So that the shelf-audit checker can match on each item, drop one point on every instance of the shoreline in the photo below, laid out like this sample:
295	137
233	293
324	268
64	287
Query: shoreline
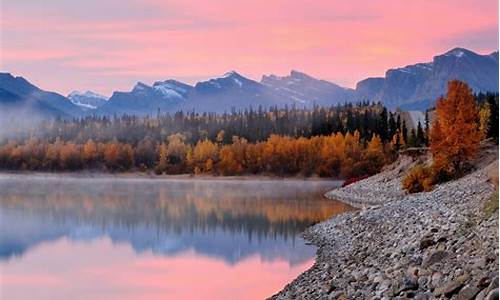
152	176
424	246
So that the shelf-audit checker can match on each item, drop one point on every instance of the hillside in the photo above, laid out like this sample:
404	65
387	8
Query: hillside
20	98
441	243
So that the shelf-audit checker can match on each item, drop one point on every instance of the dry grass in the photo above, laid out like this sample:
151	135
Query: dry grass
491	206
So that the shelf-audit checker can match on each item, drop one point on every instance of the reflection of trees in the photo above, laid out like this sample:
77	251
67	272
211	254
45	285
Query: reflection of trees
262	208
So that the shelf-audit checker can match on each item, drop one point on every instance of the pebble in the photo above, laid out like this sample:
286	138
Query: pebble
420	246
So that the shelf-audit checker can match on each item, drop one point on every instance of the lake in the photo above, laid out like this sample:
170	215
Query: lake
105	237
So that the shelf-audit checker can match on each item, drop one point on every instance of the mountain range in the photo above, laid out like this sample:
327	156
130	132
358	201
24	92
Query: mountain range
413	87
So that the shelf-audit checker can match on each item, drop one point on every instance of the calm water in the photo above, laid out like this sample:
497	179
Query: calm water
108	238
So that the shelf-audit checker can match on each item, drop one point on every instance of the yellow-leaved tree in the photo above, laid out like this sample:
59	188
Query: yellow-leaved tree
455	134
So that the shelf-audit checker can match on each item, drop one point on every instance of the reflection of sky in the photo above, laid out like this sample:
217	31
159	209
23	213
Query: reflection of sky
129	238
98	269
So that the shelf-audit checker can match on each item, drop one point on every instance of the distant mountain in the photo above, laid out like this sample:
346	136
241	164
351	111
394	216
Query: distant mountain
306	90
418	86
231	91
414	87
87	100
147	100
20	97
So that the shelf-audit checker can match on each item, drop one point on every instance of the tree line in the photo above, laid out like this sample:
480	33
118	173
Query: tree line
335	155
349	141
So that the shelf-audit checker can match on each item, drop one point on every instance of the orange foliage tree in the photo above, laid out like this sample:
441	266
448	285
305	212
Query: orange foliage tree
455	134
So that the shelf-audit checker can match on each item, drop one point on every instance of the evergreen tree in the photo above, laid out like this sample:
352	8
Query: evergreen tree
493	123
404	132
383	125
420	135
392	125
413	139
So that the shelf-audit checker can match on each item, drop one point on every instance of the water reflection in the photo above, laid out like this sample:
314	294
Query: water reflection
204	220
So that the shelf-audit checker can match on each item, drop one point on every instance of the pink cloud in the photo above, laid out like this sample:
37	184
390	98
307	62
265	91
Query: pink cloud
336	40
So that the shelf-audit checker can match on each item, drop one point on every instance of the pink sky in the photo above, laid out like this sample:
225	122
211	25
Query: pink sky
107	45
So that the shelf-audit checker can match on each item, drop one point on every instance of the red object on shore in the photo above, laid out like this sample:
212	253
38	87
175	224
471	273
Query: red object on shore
353	180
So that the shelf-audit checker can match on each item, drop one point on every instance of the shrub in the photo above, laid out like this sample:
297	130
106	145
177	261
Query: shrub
418	179
353	180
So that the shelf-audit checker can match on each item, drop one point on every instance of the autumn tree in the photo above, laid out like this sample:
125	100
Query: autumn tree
455	135
484	119
118	156
373	156
70	157
90	152
145	153
51	160
203	156
232	157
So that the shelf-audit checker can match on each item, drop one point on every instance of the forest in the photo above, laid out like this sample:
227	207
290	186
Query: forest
344	141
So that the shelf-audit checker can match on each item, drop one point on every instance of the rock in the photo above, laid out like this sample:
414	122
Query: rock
412	271
407	283
435	257
426	243
493	295
494	284
336	295
448	289
422	281
484	282
436	279
481	295
462	278
423	296
468	292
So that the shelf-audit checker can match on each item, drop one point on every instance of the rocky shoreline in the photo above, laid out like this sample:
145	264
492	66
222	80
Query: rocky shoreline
439	244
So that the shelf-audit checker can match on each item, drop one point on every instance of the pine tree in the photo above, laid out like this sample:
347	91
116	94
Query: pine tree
493	123
404	132
383	125
420	135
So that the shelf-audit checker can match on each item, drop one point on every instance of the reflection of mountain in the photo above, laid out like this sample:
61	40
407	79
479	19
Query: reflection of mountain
230	220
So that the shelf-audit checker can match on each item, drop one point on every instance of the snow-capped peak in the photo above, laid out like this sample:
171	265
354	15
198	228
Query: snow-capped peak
87	100
231	74
457	52
235	77
87	94
168	90
140	87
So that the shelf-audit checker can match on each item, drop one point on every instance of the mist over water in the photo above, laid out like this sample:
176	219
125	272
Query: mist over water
229	226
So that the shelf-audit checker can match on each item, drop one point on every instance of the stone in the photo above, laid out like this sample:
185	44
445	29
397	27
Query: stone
493	284
423	296
481	295
436	279
492	295
422	281
435	257
426	243
484	282
448	289
408	283
468	292
335	295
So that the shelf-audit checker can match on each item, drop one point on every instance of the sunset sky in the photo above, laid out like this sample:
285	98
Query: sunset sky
107	45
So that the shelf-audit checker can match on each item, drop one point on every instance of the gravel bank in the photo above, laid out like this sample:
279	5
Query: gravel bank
439	244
